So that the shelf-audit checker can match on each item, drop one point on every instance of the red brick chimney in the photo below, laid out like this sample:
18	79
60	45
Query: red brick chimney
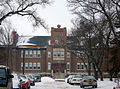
14	34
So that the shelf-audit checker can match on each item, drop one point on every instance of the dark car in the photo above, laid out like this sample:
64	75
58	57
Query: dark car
37	77
5	78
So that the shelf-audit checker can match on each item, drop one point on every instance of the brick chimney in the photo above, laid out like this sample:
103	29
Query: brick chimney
14	34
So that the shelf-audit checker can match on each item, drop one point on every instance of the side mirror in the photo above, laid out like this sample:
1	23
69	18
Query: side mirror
10	76
20	80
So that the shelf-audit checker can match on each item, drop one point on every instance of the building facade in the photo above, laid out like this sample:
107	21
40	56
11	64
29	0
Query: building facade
52	58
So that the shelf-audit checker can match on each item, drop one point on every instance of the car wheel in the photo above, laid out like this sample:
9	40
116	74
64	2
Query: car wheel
81	86
29	87
95	86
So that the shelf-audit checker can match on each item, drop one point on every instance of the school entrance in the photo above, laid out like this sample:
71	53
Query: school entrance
59	70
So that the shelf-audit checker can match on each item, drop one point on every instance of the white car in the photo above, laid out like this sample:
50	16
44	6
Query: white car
76	79
69	77
16	82
88	81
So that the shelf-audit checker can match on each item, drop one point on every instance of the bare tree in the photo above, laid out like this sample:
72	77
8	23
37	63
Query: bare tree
107	10
6	41
90	40
22	8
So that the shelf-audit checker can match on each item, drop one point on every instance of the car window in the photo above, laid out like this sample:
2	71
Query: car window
77	76
23	76
2	73
88	77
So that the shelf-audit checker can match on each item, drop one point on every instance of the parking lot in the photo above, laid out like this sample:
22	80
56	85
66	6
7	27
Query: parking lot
51	84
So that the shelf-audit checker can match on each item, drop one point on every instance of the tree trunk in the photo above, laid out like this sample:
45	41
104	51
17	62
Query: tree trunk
111	77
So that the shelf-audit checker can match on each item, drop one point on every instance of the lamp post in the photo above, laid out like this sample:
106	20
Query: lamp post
23	62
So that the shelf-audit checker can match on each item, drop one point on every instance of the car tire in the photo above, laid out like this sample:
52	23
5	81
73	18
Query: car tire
95	86
29	87
81	86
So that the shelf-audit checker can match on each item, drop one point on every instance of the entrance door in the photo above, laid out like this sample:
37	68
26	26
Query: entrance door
58	69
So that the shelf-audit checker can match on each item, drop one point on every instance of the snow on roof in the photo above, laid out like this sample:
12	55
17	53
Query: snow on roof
26	44
23	40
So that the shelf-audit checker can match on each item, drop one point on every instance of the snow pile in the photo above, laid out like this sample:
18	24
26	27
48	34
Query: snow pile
47	79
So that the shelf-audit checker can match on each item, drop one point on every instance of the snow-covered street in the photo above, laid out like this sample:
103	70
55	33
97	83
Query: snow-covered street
49	83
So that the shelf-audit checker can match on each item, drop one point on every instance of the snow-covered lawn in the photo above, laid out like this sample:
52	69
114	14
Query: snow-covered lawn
49	83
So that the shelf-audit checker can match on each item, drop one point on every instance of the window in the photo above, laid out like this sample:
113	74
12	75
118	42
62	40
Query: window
26	53
82	66
38	65
21	65
68	66
34	53
49	54
30	65
86	65
68	55
30	53
54	54
22	53
62	54
26	65
38	53
34	65
78	55
78	66
58	54
49	66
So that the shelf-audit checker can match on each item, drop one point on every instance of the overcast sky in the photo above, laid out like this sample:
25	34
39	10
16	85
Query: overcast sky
57	13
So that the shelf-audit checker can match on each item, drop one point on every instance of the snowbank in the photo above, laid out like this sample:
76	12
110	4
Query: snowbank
47	79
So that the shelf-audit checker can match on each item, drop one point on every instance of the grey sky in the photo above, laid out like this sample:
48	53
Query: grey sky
57	13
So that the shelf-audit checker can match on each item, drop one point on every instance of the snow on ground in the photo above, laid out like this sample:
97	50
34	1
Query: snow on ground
47	79
49	83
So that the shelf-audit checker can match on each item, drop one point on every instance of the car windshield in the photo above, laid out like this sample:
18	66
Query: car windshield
29	76
2	73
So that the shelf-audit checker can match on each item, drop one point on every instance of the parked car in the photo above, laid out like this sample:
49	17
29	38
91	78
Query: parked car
116	87
76	79
37	77
88	81
69	77
32	83
5	78
17	83
117	80
25	82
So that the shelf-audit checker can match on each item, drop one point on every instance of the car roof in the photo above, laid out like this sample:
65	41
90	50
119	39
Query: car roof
2	66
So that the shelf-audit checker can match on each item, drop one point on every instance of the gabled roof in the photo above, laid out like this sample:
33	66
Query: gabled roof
41	41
